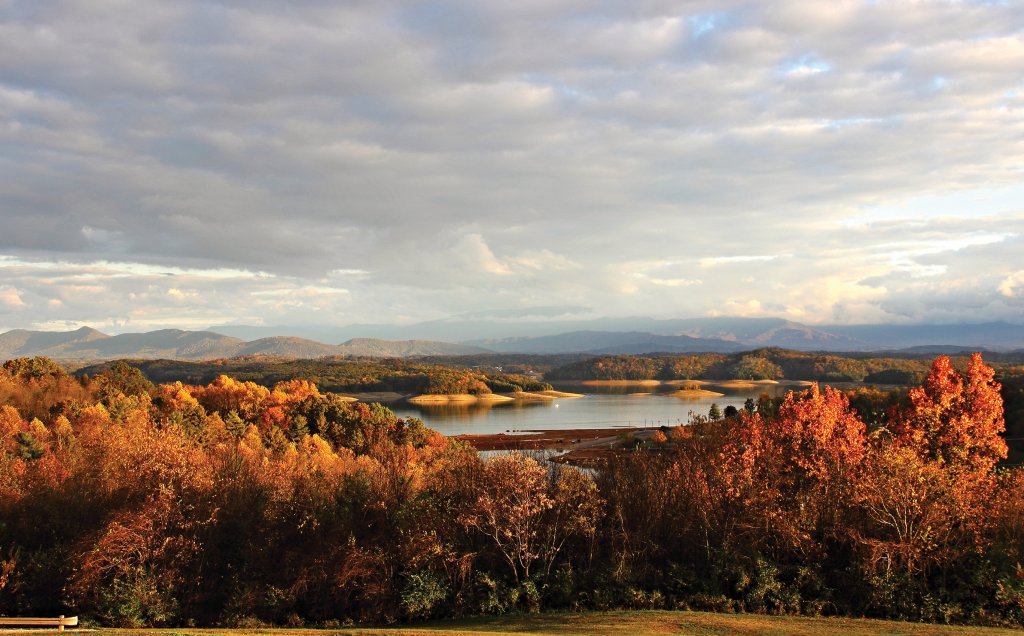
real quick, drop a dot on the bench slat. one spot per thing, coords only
(69, 621)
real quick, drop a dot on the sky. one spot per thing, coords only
(312, 162)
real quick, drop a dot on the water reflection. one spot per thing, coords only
(601, 407)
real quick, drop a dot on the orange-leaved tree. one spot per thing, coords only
(956, 420)
(795, 470)
(918, 515)
(926, 488)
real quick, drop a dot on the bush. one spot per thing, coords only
(135, 601)
(422, 592)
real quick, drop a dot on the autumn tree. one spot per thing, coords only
(575, 511)
(122, 377)
(756, 368)
(926, 490)
(794, 471)
(920, 515)
(512, 502)
(956, 420)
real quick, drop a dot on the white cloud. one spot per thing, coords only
(1013, 285)
(383, 161)
(474, 251)
(713, 261)
(11, 296)
(675, 282)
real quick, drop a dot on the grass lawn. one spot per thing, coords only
(625, 623)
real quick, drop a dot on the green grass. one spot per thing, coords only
(624, 623)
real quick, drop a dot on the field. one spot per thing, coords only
(625, 623)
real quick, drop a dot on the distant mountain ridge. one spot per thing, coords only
(177, 344)
(559, 335)
(527, 335)
(474, 335)
(607, 342)
(992, 335)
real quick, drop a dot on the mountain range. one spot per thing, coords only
(481, 335)
(642, 334)
(90, 344)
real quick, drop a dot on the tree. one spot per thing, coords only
(793, 472)
(574, 513)
(714, 413)
(756, 368)
(35, 368)
(956, 420)
(919, 514)
(122, 377)
(512, 501)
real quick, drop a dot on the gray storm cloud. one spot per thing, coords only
(191, 163)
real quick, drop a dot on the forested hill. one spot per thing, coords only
(346, 375)
(761, 364)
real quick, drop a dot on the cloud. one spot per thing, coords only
(478, 255)
(675, 282)
(11, 296)
(378, 161)
(714, 261)
(1013, 285)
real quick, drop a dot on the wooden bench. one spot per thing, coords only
(59, 622)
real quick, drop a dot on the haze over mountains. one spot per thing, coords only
(642, 334)
(90, 344)
(469, 336)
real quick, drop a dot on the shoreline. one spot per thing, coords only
(694, 394)
(435, 399)
(617, 382)
(686, 385)
(457, 398)
(554, 439)
(686, 390)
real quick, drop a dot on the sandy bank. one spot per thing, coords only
(621, 382)
(541, 396)
(458, 398)
(373, 396)
(558, 394)
(694, 394)
(743, 384)
(530, 396)
(492, 397)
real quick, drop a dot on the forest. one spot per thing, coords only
(237, 504)
(339, 374)
(762, 364)
(895, 373)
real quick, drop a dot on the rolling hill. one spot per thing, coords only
(176, 344)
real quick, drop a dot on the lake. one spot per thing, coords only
(600, 407)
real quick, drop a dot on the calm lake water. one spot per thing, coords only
(610, 408)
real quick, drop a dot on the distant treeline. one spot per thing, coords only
(508, 362)
(340, 375)
(235, 504)
(761, 364)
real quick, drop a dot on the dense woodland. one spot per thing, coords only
(761, 364)
(778, 364)
(232, 503)
(340, 374)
